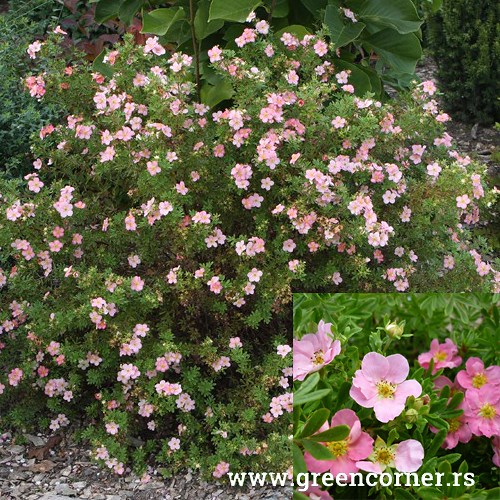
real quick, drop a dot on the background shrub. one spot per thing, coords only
(20, 115)
(464, 39)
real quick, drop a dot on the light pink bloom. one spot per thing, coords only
(357, 446)
(482, 410)
(406, 456)
(475, 375)
(444, 356)
(381, 384)
(495, 443)
(314, 350)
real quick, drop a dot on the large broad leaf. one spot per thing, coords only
(202, 26)
(101, 67)
(294, 29)
(400, 52)
(314, 6)
(232, 10)
(159, 21)
(358, 78)
(400, 15)
(341, 32)
(211, 95)
(106, 10)
(281, 8)
(129, 9)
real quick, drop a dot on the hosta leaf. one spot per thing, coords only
(234, 10)
(341, 32)
(202, 26)
(106, 10)
(160, 21)
(400, 15)
(400, 52)
(128, 10)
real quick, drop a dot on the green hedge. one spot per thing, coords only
(464, 38)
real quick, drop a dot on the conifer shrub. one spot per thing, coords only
(464, 39)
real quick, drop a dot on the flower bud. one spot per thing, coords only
(394, 330)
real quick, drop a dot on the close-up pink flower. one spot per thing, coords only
(482, 410)
(476, 375)
(444, 356)
(381, 384)
(314, 351)
(406, 456)
(357, 446)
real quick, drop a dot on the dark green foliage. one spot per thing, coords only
(464, 38)
(20, 114)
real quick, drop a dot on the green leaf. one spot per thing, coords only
(318, 451)
(99, 66)
(400, 15)
(429, 493)
(129, 9)
(160, 21)
(234, 10)
(402, 494)
(299, 464)
(297, 495)
(308, 384)
(312, 396)
(436, 443)
(315, 421)
(211, 95)
(358, 77)
(294, 29)
(400, 52)
(341, 33)
(457, 398)
(336, 433)
(437, 422)
(202, 26)
(106, 10)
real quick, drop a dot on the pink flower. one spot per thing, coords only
(235, 342)
(381, 384)
(137, 284)
(112, 428)
(315, 493)
(283, 350)
(357, 446)
(495, 443)
(482, 410)
(475, 375)
(406, 456)
(314, 350)
(221, 469)
(444, 356)
(463, 201)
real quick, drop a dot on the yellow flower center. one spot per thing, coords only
(338, 448)
(385, 389)
(318, 358)
(384, 456)
(479, 380)
(454, 424)
(488, 411)
(440, 356)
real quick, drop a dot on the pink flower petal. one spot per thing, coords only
(409, 456)
(398, 369)
(375, 366)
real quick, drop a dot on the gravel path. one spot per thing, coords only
(66, 472)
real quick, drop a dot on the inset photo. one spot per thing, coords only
(396, 396)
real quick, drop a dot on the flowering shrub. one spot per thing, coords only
(153, 236)
(376, 406)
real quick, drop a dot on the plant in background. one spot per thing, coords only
(464, 39)
(378, 41)
(381, 422)
(153, 237)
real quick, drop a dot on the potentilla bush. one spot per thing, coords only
(148, 259)
(374, 398)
